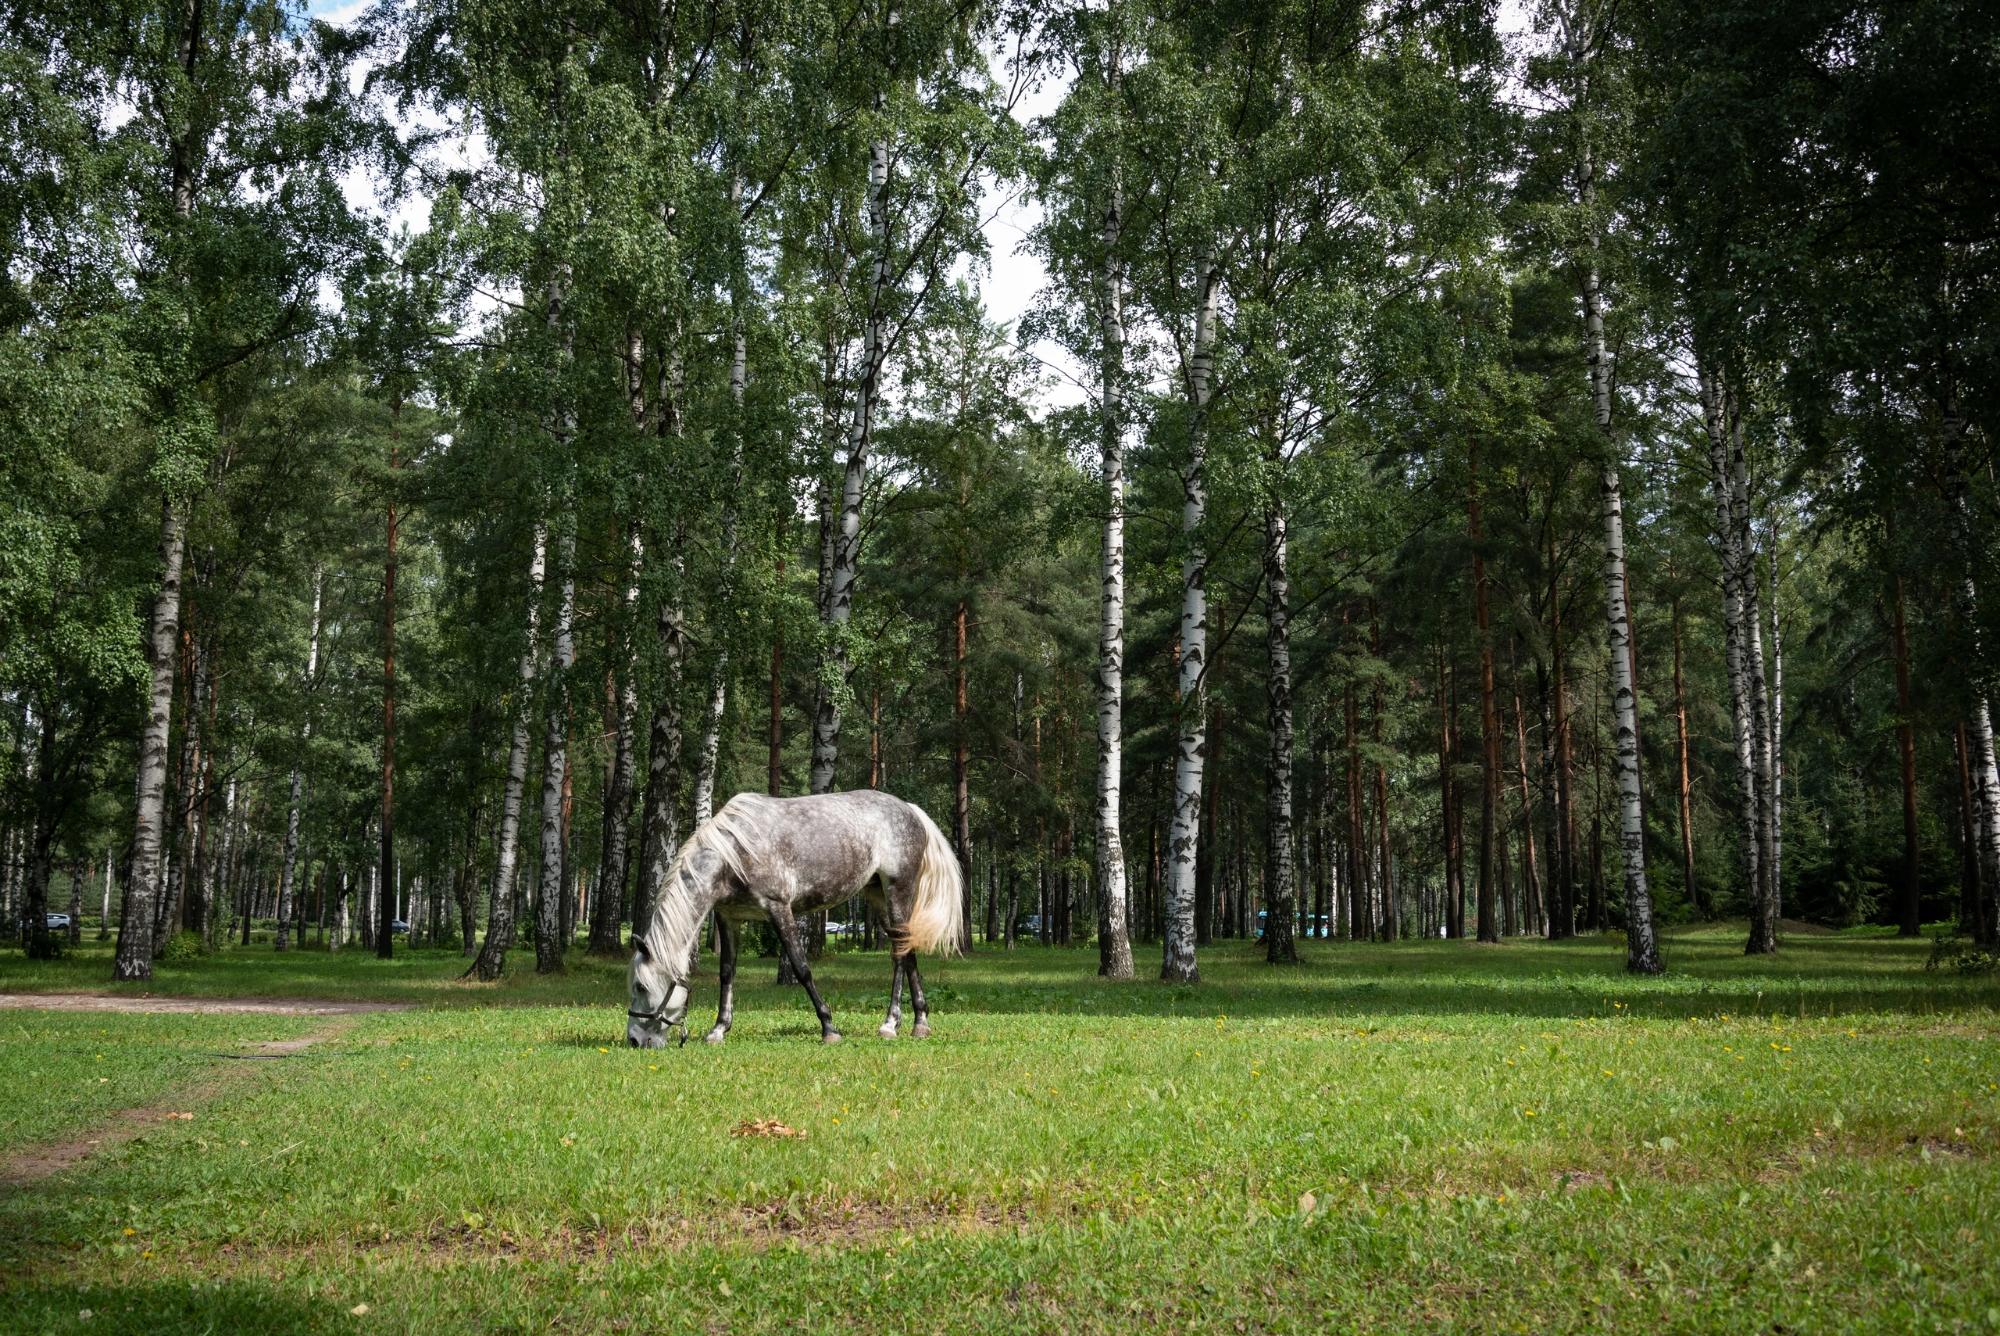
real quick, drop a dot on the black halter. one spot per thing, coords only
(654, 1015)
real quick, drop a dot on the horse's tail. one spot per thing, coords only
(937, 915)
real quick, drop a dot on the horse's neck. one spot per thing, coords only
(677, 916)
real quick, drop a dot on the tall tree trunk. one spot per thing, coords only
(846, 554)
(134, 959)
(1642, 951)
(1909, 908)
(1777, 736)
(1178, 941)
(1534, 911)
(1972, 918)
(492, 958)
(1985, 766)
(1114, 946)
(622, 641)
(707, 758)
(384, 939)
(961, 774)
(1684, 784)
(1717, 408)
(1489, 715)
(660, 814)
(286, 876)
(1279, 875)
(1392, 927)
(1562, 763)
(549, 893)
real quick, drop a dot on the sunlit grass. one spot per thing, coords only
(1398, 1136)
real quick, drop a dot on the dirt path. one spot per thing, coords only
(203, 1006)
(32, 1164)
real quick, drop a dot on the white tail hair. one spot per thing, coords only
(937, 916)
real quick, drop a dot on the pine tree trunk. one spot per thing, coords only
(1909, 908)
(1178, 940)
(961, 772)
(1489, 717)
(1777, 737)
(287, 875)
(384, 939)
(1685, 779)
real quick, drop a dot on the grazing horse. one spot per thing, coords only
(777, 858)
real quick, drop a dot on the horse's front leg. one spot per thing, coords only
(894, 1019)
(794, 947)
(725, 950)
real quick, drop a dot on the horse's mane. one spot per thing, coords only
(677, 917)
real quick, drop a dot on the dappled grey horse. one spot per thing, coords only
(777, 858)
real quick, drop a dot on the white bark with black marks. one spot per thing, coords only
(291, 855)
(1178, 940)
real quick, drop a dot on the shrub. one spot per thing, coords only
(180, 949)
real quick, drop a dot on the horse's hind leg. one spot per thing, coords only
(794, 948)
(725, 950)
(922, 1029)
(895, 1016)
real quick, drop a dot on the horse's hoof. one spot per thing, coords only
(922, 1030)
(830, 1037)
(887, 1030)
(715, 1036)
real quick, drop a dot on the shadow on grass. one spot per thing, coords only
(1864, 971)
(159, 1306)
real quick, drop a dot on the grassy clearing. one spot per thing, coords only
(1393, 1136)
(63, 1072)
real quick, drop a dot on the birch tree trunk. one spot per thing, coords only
(739, 376)
(142, 888)
(659, 820)
(384, 939)
(549, 916)
(1716, 405)
(846, 554)
(614, 860)
(1178, 939)
(1279, 877)
(1642, 951)
(492, 956)
(1764, 903)
(1985, 765)
(1114, 946)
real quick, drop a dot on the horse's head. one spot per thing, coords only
(659, 1001)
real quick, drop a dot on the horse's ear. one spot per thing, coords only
(639, 948)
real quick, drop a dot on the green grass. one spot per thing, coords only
(60, 1072)
(1401, 1136)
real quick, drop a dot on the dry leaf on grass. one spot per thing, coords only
(764, 1127)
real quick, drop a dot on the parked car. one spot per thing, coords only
(57, 922)
(398, 926)
(1029, 925)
